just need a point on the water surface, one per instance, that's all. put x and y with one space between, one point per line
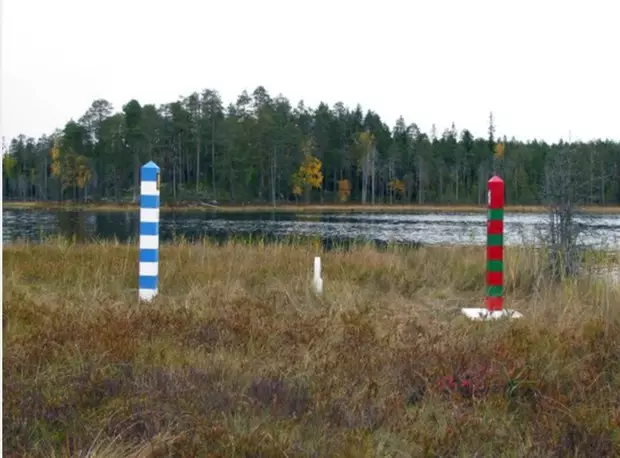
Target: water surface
425 228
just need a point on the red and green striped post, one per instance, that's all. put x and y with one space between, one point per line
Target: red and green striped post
495 245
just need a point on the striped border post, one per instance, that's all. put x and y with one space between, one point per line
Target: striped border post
149 231
495 259
495 245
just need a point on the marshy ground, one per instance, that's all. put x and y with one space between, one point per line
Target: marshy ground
237 356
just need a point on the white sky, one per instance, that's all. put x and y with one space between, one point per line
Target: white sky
543 67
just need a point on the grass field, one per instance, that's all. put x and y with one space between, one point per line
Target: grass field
237 357
312 208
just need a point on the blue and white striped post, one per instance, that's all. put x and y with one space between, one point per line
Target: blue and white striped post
149 231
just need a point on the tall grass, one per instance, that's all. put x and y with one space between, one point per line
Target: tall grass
238 357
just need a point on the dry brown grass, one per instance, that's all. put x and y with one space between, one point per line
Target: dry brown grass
237 357
301 208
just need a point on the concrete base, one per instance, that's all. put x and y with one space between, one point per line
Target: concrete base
147 295
484 314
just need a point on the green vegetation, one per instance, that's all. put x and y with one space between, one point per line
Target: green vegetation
237 357
263 150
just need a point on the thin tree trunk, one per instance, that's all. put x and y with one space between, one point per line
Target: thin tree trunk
440 184
602 183
136 184
45 178
197 160
374 174
457 185
273 178
591 196
390 178
213 156
174 180
364 177
420 181
231 172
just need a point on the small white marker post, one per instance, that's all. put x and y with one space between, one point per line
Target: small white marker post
317 281
149 232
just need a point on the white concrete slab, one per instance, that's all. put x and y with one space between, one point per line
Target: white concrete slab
483 314
147 294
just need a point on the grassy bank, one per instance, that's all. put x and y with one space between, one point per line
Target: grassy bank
237 357
325 208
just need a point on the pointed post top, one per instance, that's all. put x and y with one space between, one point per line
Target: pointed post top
495 179
150 172
150 165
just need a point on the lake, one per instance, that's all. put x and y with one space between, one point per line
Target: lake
424 228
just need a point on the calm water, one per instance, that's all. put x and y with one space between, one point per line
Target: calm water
429 228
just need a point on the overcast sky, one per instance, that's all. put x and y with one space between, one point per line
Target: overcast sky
543 67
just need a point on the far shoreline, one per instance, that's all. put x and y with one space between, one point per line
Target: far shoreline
298 208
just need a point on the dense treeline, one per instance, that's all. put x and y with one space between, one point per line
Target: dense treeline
262 149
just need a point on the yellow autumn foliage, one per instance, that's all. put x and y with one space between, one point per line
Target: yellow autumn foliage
70 168
308 176
9 164
397 186
83 174
55 155
344 190
297 190
499 150
364 141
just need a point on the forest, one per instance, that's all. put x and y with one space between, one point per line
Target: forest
263 149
